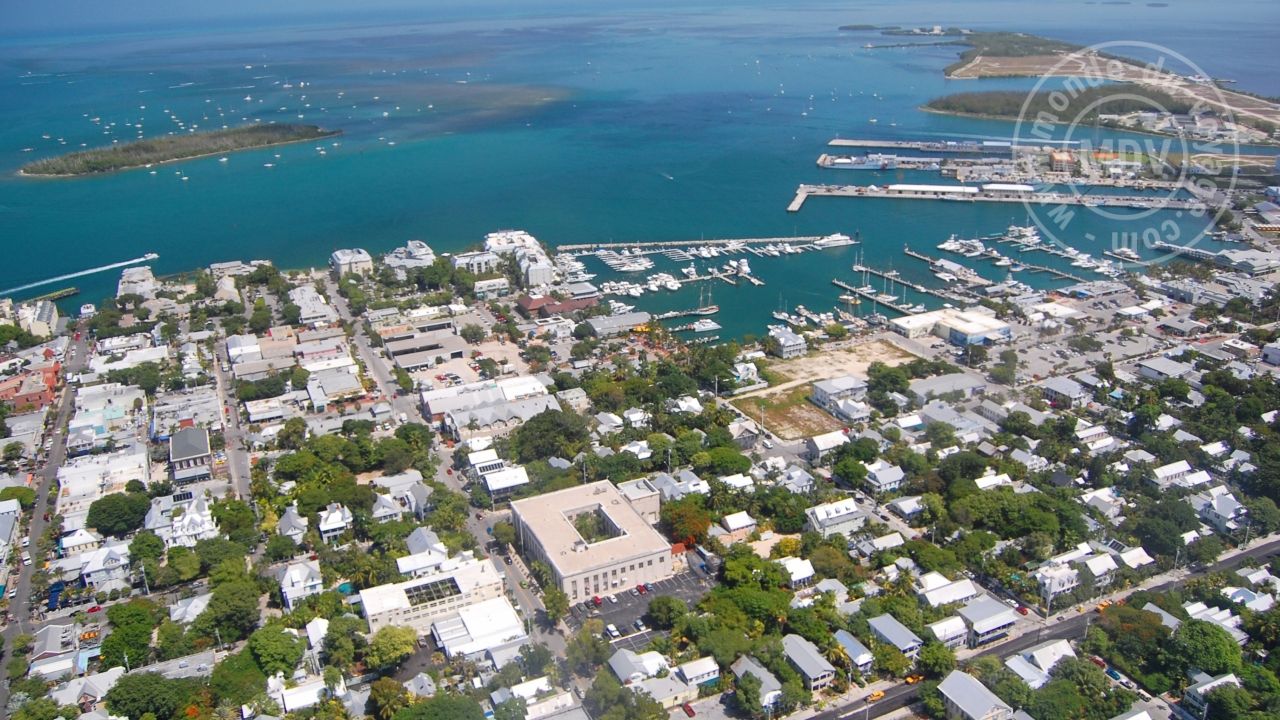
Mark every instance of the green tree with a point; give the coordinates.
(388, 697)
(118, 513)
(587, 649)
(275, 650)
(237, 679)
(665, 611)
(512, 709)
(1206, 646)
(888, 659)
(389, 646)
(134, 696)
(443, 707)
(553, 433)
(293, 434)
(936, 660)
(556, 603)
(747, 696)
(232, 612)
(472, 334)
(504, 533)
(280, 547)
(25, 496)
(146, 545)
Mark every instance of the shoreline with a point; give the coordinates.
(184, 158)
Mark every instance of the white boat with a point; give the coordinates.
(834, 240)
(1004, 262)
(705, 325)
(945, 277)
(672, 285)
(87, 310)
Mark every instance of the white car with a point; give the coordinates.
(613, 631)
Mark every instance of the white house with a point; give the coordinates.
(299, 580)
(335, 519)
(842, 517)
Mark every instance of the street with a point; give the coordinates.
(20, 606)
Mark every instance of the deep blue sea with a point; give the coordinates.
(580, 122)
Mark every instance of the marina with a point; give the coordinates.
(984, 147)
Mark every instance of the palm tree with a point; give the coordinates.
(838, 656)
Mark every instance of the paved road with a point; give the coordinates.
(1068, 626)
(233, 432)
(20, 606)
(373, 362)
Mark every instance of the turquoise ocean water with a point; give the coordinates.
(580, 123)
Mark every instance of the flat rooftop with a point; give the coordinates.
(549, 518)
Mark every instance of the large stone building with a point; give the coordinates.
(619, 549)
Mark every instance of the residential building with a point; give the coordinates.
(181, 519)
(829, 393)
(988, 619)
(860, 657)
(938, 590)
(1035, 663)
(632, 667)
(335, 519)
(629, 551)
(1218, 508)
(292, 525)
(1194, 698)
(770, 688)
(842, 517)
(355, 261)
(887, 629)
(800, 572)
(415, 254)
(805, 657)
(789, 345)
(818, 447)
(966, 698)
(1162, 368)
(190, 459)
(1063, 391)
(883, 477)
(950, 631)
(107, 567)
(702, 671)
(298, 581)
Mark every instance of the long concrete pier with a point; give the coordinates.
(658, 245)
(804, 192)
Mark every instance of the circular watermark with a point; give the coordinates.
(1144, 145)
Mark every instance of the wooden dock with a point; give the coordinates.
(948, 295)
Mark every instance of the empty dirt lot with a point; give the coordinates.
(787, 410)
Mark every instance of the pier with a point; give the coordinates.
(948, 295)
(902, 308)
(964, 193)
(1032, 267)
(926, 146)
(889, 162)
(657, 246)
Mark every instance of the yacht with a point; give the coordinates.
(835, 240)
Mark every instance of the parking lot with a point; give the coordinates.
(689, 587)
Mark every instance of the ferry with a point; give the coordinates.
(705, 325)
(835, 240)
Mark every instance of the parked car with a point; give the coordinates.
(1022, 610)
(688, 709)
(1111, 673)
(597, 601)
(612, 630)
(1098, 661)
(613, 599)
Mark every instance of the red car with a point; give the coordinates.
(688, 709)
(597, 601)
(641, 589)
(95, 608)
(1098, 661)
(1022, 610)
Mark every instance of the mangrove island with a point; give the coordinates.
(170, 148)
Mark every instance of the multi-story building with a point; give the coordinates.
(355, 261)
(592, 539)
(965, 698)
(298, 581)
(419, 602)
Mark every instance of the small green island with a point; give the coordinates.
(1112, 99)
(170, 148)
